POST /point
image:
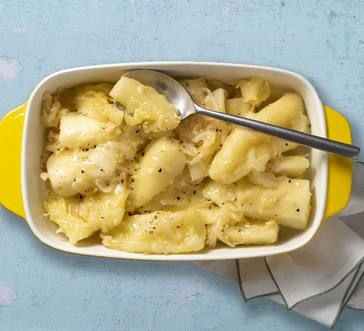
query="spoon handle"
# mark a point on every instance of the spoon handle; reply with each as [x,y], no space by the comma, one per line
[288,134]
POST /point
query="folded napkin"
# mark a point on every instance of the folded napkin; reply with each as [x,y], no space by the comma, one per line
[317,280]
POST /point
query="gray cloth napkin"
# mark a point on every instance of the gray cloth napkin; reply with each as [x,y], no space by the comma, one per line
[317,280]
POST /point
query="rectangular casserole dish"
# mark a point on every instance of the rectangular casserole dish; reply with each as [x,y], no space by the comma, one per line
[21,141]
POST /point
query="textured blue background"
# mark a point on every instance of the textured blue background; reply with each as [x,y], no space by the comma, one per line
[322,40]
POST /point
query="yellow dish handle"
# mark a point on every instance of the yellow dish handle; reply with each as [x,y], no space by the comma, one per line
[340,168]
[11,133]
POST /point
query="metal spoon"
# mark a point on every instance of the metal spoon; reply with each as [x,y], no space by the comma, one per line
[179,97]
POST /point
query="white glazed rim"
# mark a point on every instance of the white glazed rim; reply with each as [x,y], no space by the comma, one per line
[198,256]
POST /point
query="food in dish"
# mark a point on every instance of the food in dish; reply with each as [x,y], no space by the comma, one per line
[119,163]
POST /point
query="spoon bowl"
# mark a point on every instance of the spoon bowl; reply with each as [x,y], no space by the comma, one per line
[175,93]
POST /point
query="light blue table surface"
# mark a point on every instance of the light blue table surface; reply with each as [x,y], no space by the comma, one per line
[322,40]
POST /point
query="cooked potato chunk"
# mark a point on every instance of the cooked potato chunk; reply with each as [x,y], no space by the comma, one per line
[79,217]
[218,218]
[217,100]
[77,130]
[198,90]
[76,171]
[162,163]
[144,105]
[246,149]
[250,233]
[159,232]
[102,210]
[229,164]
[255,90]
[237,106]
[93,101]
[288,203]
[291,166]
[219,193]
[72,225]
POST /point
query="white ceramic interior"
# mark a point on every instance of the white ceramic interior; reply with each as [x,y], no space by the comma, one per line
[32,186]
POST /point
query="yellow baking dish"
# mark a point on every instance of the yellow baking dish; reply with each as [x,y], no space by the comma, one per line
[21,139]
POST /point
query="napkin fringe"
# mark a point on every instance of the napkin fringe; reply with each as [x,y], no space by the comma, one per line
[242,289]
[349,291]
[276,283]
[240,280]
[355,288]
[357,266]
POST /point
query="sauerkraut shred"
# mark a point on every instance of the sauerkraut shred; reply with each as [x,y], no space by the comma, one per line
[119,163]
